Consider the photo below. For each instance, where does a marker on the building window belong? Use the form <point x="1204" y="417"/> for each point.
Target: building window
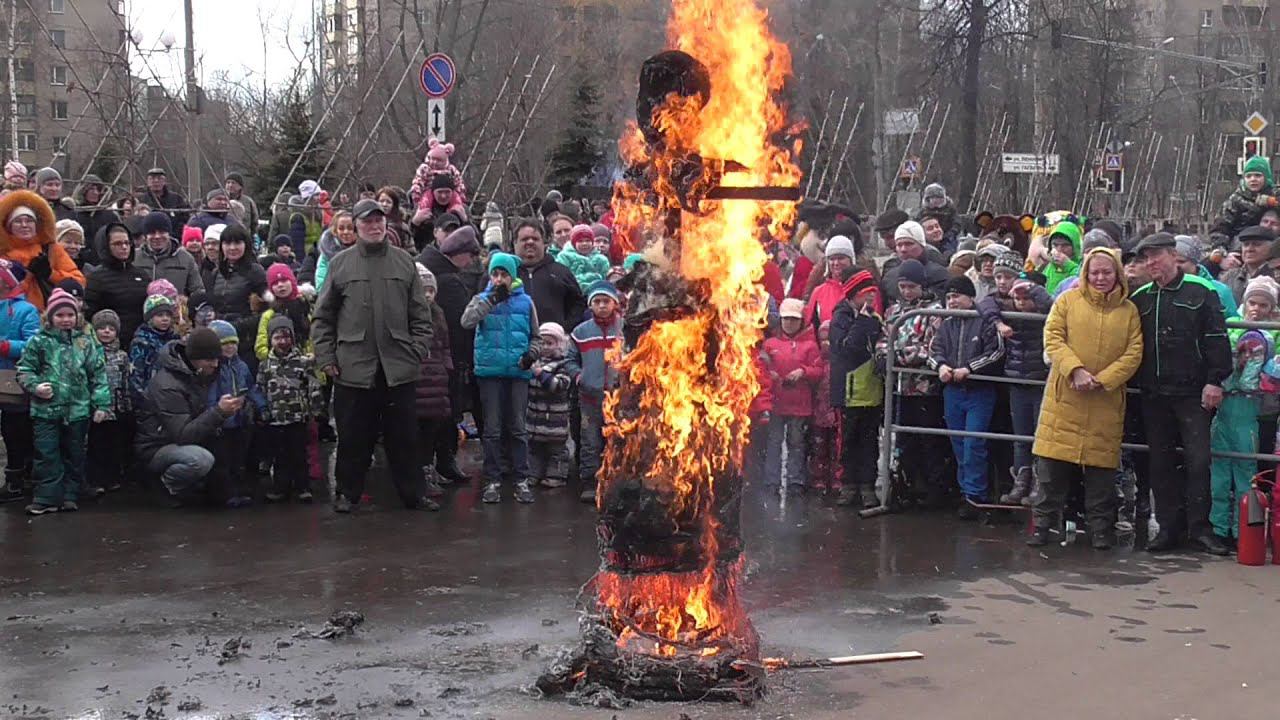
<point x="26" y="106"/>
<point x="57" y="6"/>
<point x="26" y="140"/>
<point x="1206" y="18"/>
<point x="24" y="34"/>
<point x="59" y="109"/>
<point x="59" y="75"/>
<point x="58" y="38"/>
<point x="60" y="145"/>
<point x="24" y="70"/>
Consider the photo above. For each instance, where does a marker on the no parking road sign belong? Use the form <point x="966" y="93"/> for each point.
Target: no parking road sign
<point x="438" y="75"/>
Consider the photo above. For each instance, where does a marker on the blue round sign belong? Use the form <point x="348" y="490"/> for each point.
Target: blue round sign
<point x="438" y="75"/>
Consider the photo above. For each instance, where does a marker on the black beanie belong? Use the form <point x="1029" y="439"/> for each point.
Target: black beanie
<point x="961" y="285"/>
<point x="442" y="181"/>
<point x="203" y="344"/>
<point x="912" y="271"/>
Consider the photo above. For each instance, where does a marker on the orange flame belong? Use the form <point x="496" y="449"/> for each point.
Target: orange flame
<point x="692" y="422"/>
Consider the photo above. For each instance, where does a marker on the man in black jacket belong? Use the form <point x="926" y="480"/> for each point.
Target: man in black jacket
<point x="177" y="428"/>
<point x="1186" y="357"/>
<point x="457" y="251"/>
<point x="159" y="197"/>
<point x="552" y="287"/>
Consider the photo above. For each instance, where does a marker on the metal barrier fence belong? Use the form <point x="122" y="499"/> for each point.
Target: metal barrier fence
<point x="891" y="373"/>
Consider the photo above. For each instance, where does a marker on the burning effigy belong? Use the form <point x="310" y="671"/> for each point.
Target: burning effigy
<point x="713" y="170"/>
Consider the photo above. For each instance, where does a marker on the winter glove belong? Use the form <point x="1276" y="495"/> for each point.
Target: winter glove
<point x="526" y="360"/>
<point x="41" y="268"/>
<point x="500" y="293"/>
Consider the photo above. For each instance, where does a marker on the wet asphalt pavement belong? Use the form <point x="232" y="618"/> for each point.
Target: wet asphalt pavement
<point x="130" y="610"/>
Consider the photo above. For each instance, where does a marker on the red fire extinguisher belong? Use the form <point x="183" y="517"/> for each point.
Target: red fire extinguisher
<point x="1252" y="531"/>
<point x="1275" y="525"/>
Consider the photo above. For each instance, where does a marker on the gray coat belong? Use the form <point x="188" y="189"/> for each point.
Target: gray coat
<point x="372" y="312"/>
<point x="175" y="265"/>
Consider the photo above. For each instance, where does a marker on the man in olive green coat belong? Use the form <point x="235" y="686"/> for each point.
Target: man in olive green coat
<point x="371" y="330"/>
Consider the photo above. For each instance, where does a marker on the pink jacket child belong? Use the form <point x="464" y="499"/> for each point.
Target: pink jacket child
<point x="785" y="355"/>
<point x="437" y="162"/>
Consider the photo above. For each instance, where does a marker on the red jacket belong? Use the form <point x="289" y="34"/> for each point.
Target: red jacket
<point x="772" y="281"/>
<point x="800" y="277"/>
<point x="785" y="355"/>
<point x="763" y="401"/>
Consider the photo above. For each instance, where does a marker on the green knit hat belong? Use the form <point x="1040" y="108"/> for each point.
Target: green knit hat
<point x="1259" y="164"/>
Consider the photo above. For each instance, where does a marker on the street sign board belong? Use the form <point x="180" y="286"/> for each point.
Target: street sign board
<point x="436" y="118"/>
<point x="1029" y="164"/>
<point x="438" y="75"/>
<point x="1114" y="162"/>
<point x="910" y="168"/>
<point x="901" y="122"/>
<point x="1255" y="123"/>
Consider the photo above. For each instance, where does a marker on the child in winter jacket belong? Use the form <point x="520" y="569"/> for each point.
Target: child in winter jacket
<point x="437" y="434"/>
<point x="1024" y="360"/>
<point x="548" y="418"/>
<point x="824" y="430"/>
<point x="1064" y="248"/>
<point x="158" y="314"/>
<point x="855" y="387"/>
<point x="111" y="441"/>
<point x="580" y="256"/>
<point x="19" y="323"/>
<point x="437" y="162"/>
<point x="921" y="459"/>
<point x="591" y="341"/>
<point x="285" y="299"/>
<point x="506" y="346"/>
<point x="1246" y="206"/>
<point x="287" y="379"/>
<point x="964" y="347"/>
<point x="1235" y="425"/>
<point x="63" y="369"/>
<point x="794" y="363"/>
<point x="235" y="379"/>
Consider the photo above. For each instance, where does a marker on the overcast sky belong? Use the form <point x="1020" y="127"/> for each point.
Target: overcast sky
<point x="228" y="37"/>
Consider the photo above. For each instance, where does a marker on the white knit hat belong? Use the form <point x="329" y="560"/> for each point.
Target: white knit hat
<point x="910" y="230"/>
<point x="840" y="245"/>
<point x="1264" y="286"/>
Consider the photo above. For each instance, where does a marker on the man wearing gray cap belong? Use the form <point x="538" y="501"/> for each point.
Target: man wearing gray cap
<point x="1185" y="359"/>
<point x="49" y="187"/>
<point x="159" y="197"/>
<point x="372" y="327"/>
<point x="1190" y="254"/>
<point x="217" y="206"/>
<point x="1255" y="250"/>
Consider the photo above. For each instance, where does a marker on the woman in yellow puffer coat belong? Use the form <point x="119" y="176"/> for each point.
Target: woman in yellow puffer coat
<point x="1093" y="338"/>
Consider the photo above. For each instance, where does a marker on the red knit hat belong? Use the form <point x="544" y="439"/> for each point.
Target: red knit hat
<point x="278" y="272"/>
<point x="582" y="233"/>
<point x="59" y="299"/>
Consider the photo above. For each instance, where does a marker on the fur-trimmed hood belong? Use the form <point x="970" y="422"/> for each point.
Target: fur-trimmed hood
<point x="45" y="219"/>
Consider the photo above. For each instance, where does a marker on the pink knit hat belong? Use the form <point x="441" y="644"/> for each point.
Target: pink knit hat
<point x="15" y="172"/>
<point x="163" y="287"/>
<point x="59" y="299"/>
<point x="440" y="152"/>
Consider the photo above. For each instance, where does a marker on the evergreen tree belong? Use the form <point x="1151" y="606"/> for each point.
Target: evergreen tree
<point x="580" y="151"/>
<point x="289" y="138"/>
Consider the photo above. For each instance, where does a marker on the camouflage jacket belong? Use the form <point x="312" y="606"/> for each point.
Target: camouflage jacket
<point x="291" y="388"/>
<point x="911" y="344"/>
<point x="118" y="379"/>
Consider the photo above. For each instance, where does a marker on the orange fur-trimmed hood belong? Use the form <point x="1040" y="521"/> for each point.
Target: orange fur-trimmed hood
<point x="45" y="219"/>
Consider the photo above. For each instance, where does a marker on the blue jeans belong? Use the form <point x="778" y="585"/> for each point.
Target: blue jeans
<point x="1024" y="412"/>
<point x="505" y="402"/>
<point x="969" y="406"/>
<point x="182" y="468"/>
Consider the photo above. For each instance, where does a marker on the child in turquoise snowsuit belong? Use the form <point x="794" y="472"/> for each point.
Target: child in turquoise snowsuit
<point x="1235" y="426"/>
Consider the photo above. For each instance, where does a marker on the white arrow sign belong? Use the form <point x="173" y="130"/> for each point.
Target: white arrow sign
<point x="436" y="118"/>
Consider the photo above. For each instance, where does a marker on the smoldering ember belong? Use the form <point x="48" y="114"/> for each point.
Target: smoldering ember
<point x="701" y="359"/>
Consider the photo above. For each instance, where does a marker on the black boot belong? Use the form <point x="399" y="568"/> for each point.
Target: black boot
<point x="1039" y="537"/>
<point x="451" y="472"/>
<point x="1164" y="541"/>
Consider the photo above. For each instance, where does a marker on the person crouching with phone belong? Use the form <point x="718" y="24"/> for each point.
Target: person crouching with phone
<point x="235" y="379"/>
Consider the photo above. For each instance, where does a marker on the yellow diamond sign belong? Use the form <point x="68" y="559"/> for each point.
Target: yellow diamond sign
<point x="1255" y="123"/>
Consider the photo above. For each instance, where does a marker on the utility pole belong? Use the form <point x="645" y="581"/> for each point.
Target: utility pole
<point x="193" y="111"/>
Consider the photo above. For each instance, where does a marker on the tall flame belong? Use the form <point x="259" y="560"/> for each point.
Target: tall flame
<point x="692" y="423"/>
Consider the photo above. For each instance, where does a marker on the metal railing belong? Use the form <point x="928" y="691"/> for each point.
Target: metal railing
<point x="891" y="373"/>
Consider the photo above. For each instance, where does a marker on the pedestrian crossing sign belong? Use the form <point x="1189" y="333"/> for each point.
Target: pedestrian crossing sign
<point x="1114" y="162"/>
